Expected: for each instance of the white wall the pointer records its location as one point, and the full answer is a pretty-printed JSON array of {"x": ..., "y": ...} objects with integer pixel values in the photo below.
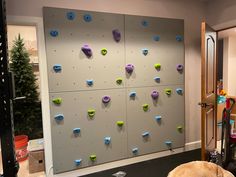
[
  {"x": 192, "y": 12},
  {"x": 229, "y": 65}
]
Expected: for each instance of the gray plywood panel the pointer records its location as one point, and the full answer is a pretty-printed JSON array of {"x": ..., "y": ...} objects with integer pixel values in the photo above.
[
  {"x": 74, "y": 106},
  {"x": 65, "y": 49},
  {"x": 167, "y": 51},
  {"x": 78, "y": 97},
  {"x": 170, "y": 108}
]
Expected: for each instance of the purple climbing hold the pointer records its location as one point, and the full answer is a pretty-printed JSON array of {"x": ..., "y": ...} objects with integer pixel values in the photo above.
[
  {"x": 179, "y": 67},
  {"x": 116, "y": 35},
  {"x": 154, "y": 94},
  {"x": 129, "y": 68},
  {"x": 87, "y": 50},
  {"x": 106, "y": 99}
]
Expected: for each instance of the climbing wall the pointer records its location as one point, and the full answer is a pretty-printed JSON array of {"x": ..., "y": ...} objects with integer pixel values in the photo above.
[{"x": 116, "y": 86}]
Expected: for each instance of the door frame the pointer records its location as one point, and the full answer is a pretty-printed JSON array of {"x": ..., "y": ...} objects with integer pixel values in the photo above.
[{"x": 38, "y": 23}]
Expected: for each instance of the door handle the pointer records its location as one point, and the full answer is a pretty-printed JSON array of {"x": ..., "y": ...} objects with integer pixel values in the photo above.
[{"x": 204, "y": 105}]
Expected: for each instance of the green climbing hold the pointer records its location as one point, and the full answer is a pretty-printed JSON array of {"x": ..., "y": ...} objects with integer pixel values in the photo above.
[
  {"x": 157, "y": 66},
  {"x": 119, "y": 80},
  {"x": 145, "y": 107},
  {"x": 104, "y": 51},
  {"x": 120, "y": 123},
  {"x": 93, "y": 157},
  {"x": 57, "y": 101},
  {"x": 180, "y": 129},
  {"x": 168, "y": 92},
  {"x": 91, "y": 113}
]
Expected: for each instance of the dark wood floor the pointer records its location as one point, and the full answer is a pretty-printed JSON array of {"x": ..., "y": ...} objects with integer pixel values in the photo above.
[{"x": 153, "y": 168}]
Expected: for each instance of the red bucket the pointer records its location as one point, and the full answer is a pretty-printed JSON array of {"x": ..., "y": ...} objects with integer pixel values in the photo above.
[{"x": 21, "y": 143}]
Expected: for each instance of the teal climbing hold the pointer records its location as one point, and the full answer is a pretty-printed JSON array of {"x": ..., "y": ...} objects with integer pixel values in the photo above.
[
  {"x": 168, "y": 143},
  {"x": 135, "y": 151},
  {"x": 158, "y": 118},
  {"x": 179, "y": 91},
  {"x": 145, "y": 134},
  {"x": 107, "y": 140},
  {"x": 76, "y": 131},
  {"x": 132, "y": 94},
  {"x": 59, "y": 117},
  {"x": 78, "y": 162},
  {"x": 145, "y": 51}
]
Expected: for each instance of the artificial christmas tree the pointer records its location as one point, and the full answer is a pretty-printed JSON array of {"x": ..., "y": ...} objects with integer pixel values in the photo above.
[{"x": 27, "y": 112}]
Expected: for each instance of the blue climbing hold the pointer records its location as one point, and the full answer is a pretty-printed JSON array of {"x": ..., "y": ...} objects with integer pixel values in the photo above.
[
  {"x": 145, "y": 134},
  {"x": 87, "y": 18},
  {"x": 135, "y": 151},
  {"x": 70, "y": 15},
  {"x": 76, "y": 130},
  {"x": 107, "y": 140},
  {"x": 179, "y": 91},
  {"x": 168, "y": 143},
  {"x": 59, "y": 117},
  {"x": 89, "y": 82},
  {"x": 54, "y": 33},
  {"x": 78, "y": 162},
  {"x": 57, "y": 68},
  {"x": 144, "y": 23},
  {"x": 145, "y": 51},
  {"x": 157, "y": 79},
  {"x": 132, "y": 94},
  {"x": 158, "y": 118},
  {"x": 179, "y": 38},
  {"x": 156, "y": 38}
]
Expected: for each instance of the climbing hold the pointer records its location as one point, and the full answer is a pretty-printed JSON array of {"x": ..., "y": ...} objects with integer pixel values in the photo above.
[
  {"x": 145, "y": 51},
  {"x": 157, "y": 66},
  {"x": 59, "y": 117},
  {"x": 104, "y": 51},
  {"x": 120, "y": 123},
  {"x": 179, "y": 67},
  {"x": 119, "y": 80},
  {"x": 89, "y": 82},
  {"x": 145, "y": 134},
  {"x": 57, "y": 101},
  {"x": 132, "y": 94},
  {"x": 91, "y": 113},
  {"x": 54, "y": 33},
  {"x": 129, "y": 68},
  {"x": 135, "y": 151},
  {"x": 57, "y": 68},
  {"x": 168, "y": 143},
  {"x": 76, "y": 131},
  {"x": 107, "y": 140},
  {"x": 70, "y": 15},
  {"x": 145, "y": 107},
  {"x": 179, "y": 38},
  {"x": 179, "y": 91},
  {"x": 158, "y": 118},
  {"x": 106, "y": 99},
  {"x": 144, "y": 23},
  {"x": 93, "y": 157},
  {"x": 87, "y": 18},
  {"x": 180, "y": 129},
  {"x": 116, "y": 35},
  {"x": 156, "y": 38},
  {"x": 78, "y": 162},
  {"x": 168, "y": 92},
  {"x": 157, "y": 79},
  {"x": 87, "y": 50},
  {"x": 154, "y": 94}
]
